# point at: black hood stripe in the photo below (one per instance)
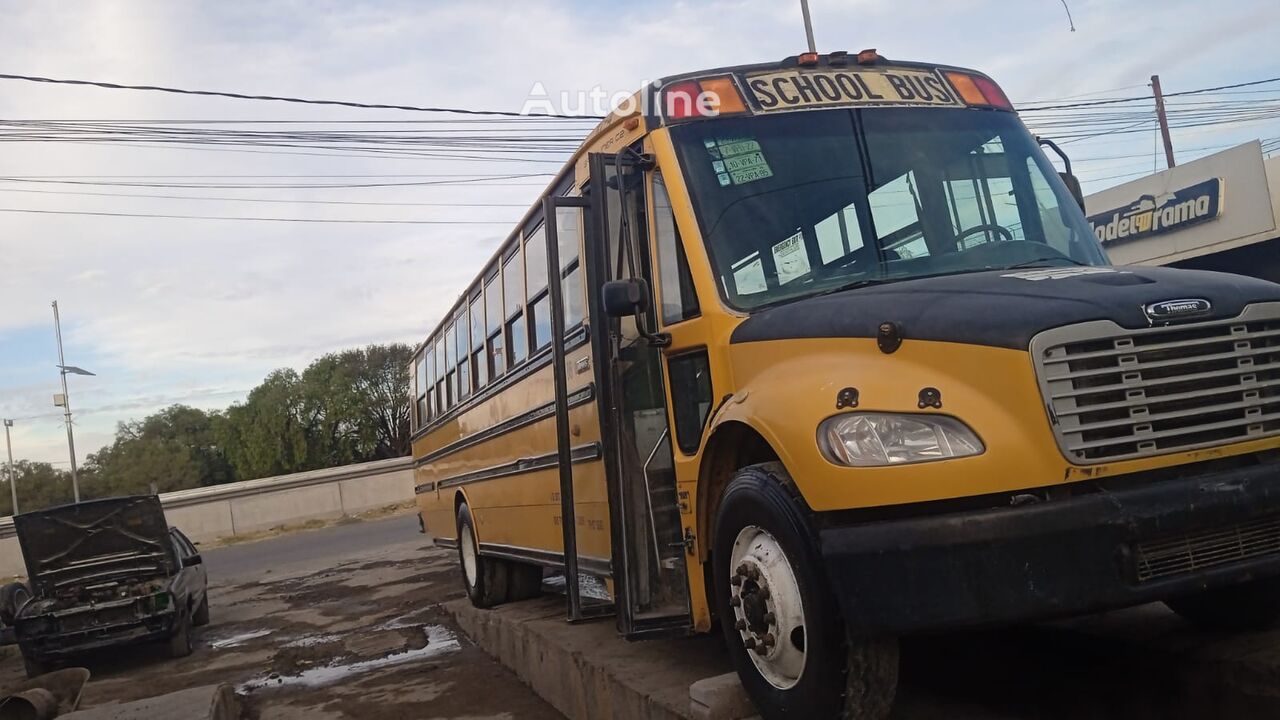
(1002, 308)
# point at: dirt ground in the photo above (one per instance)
(365, 638)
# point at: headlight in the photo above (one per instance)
(872, 439)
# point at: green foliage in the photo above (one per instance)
(346, 407)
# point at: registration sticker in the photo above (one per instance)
(737, 161)
(798, 89)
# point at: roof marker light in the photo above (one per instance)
(808, 59)
(869, 57)
(978, 90)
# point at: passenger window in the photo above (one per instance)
(420, 391)
(513, 290)
(569, 236)
(839, 234)
(463, 343)
(535, 261)
(540, 319)
(493, 324)
(430, 362)
(479, 366)
(679, 300)
(451, 364)
(895, 208)
(442, 397)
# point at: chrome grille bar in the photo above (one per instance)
(1114, 393)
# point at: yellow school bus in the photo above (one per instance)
(824, 350)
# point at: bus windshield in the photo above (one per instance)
(803, 203)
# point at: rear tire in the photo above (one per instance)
(1251, 606)
(201, 616)
(780, 620)
(12, 597)
(525, 581)
(486, 580)
(180, 640)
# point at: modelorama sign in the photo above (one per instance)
(1152, 215)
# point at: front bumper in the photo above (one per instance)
(91, 633)
(1055, 558)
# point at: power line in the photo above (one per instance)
(293, 186)
(283, 98)
(1145, 97)
(263, 200)
(257, 219)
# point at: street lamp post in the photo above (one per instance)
(13, 477)
(65, 400)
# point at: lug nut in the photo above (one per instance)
(742, 569)
(764, 593)
(740, 625)
(769, 640)
(749, 643)
(770, 618)
(753, 573)
(735, 601)
(736, 580)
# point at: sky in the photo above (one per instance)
(199, 311)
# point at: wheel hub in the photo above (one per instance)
(767, 608)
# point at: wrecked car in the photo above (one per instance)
(105, 573)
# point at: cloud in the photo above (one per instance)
(166, 309)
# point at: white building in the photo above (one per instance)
(1220, 212)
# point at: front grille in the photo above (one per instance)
(1115, 394)
(1207, 549)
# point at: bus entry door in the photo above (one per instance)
(650, 578)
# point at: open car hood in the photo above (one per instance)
(95, 543)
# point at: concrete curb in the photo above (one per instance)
(587, 671)
(211, 702)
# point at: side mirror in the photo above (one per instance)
(624, 298)
(1073, 185)
(192, 561)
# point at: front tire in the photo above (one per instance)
(780, 620)
(180, 640)
(34, 666)
(1251, 606)
(487, 580)
(201, 616)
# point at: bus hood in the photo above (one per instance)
(73, 548)
(1005, 308)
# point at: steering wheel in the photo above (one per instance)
(989, 227)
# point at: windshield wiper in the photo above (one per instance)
(1035, 262)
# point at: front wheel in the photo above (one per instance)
(780, 621)
(180, 640)
(1251, 606)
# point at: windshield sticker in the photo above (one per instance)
(737, 161)
(797, 89)
(749, 279)
(791, 259)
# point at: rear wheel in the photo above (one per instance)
(780, 620)
(487, 580)
(1251, 606)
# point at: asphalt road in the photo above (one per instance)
(242, 562)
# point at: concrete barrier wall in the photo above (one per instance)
(252, 506)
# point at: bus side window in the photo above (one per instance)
(450, 364)
(462, 344)
(679, 299)
(493, 324)
(420, 391)
(513, 290)
(535, 255)
(479, 368)
(569, 237)
(428, 388)
(442, 394)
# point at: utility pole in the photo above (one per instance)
(13, 477)
(1164, 121)
(808, 25)
(66, 402)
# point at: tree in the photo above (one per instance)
(40, 485)
(266, 435)
(173, 449)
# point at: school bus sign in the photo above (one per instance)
(1154, 215)
(803, 89)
